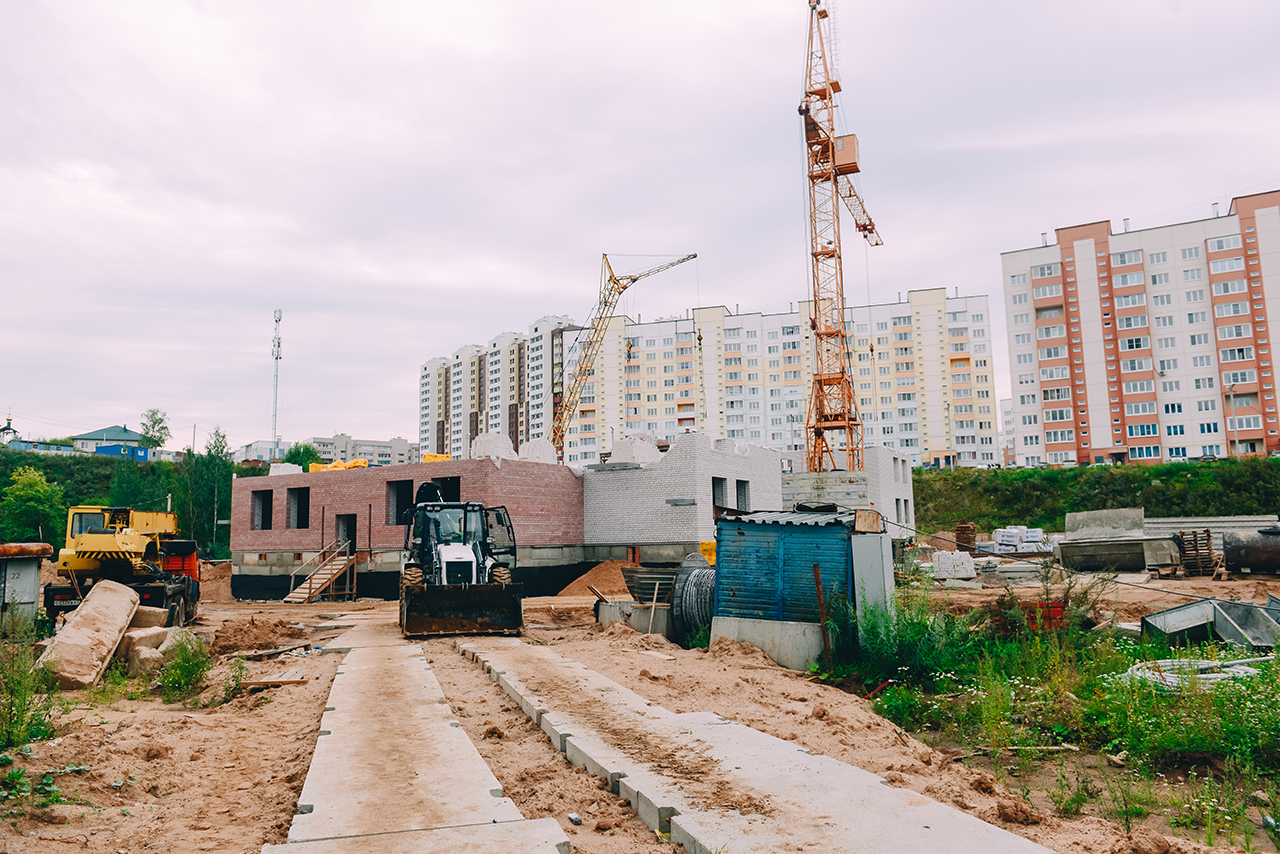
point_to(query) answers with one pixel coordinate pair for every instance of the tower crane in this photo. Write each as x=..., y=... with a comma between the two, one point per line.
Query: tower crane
x=611, y=288
x=832, y=160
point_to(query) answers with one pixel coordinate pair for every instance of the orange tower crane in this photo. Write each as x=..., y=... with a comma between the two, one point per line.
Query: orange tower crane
x=831, y=160
x=611, y=288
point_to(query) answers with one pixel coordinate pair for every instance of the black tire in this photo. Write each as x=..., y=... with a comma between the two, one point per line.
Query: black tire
x=175, y=615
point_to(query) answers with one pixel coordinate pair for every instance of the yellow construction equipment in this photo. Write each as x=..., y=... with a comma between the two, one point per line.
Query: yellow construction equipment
x=611, y=288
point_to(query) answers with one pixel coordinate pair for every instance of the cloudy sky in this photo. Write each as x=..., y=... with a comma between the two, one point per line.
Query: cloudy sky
x=402, y=178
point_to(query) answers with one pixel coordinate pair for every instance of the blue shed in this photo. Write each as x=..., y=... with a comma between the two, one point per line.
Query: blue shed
x=764, y=565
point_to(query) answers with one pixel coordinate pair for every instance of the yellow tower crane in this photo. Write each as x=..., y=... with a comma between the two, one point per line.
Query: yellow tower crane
x=831, y=160
x=611, y=289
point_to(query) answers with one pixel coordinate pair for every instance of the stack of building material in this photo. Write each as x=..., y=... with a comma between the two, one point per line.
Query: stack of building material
x=953, y=565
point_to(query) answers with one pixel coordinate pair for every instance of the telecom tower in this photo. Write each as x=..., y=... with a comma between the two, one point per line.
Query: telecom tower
x=275, y=389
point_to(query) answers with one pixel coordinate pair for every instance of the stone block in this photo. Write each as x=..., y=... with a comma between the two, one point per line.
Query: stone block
x=170, y=645
x=144, y=661
x=79, y=654
x=136, y=638
x=146, y=617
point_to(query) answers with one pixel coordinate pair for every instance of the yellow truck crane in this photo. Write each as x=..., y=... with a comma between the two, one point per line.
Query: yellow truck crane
x=133, y=547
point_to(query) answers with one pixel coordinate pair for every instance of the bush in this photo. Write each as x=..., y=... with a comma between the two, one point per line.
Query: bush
x=916, y=643
x=186, y=670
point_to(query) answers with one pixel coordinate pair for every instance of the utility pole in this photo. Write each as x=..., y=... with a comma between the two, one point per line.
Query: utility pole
x=275, y=389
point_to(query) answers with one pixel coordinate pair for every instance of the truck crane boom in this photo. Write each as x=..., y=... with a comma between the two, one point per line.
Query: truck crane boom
x=611, y=289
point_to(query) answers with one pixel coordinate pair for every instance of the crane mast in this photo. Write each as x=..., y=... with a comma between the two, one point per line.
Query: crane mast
x=611, y=289
x=831, y=160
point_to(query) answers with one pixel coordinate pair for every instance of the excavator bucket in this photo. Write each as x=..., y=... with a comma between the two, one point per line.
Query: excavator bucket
x=461, y=609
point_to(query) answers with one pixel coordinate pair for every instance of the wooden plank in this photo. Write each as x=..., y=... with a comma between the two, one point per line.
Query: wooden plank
x=290, y=677
x=267, y=653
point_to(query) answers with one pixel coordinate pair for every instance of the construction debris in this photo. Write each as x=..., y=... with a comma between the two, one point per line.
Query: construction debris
x=146, y=617
x=80, y=652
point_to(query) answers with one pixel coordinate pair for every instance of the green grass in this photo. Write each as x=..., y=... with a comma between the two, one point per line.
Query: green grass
x=185, y=672
x=27, y=693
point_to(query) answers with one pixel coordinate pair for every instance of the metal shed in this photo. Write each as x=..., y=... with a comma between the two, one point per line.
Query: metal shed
x=764, y=565
x=20, y=575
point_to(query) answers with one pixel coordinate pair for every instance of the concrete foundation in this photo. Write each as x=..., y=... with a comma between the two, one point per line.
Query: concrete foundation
x=636, y=616
x=814, y=802
x=793, y=645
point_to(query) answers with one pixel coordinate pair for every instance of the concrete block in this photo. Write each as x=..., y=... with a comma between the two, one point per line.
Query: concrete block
x=136, y=638
x=147, y=617
x=144, y=661
x=80, y=652
x=793, y=645
x=537, y=836
x=636, y=615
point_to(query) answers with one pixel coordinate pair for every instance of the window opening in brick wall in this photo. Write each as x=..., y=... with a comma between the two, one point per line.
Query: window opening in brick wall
x=450, y=488
x=719, y=486
x=261, y=509
x=744, y=494
x=399, y=499
x=299, y=503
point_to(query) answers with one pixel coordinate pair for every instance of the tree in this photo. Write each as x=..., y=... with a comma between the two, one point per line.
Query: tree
x=126, y=485
x=32, y=509
x=303, y=455
x=202, y=495
x=155, y=429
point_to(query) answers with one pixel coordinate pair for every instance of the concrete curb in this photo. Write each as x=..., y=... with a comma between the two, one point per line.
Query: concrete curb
x=793, y=800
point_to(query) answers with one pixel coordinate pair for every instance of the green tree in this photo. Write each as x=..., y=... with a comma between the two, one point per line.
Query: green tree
x=303, y=455
x=155, y=429
x=126, y=485
x=202, y=496
x=32, y=509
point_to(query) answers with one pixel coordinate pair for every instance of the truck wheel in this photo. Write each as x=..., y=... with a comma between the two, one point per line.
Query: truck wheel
x=192, y=609
x=502, y=574
x=175, y=614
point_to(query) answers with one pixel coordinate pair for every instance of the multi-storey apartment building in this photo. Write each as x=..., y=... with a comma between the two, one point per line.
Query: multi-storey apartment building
x=1147, y=345
x=379, y=452
x=921, y=370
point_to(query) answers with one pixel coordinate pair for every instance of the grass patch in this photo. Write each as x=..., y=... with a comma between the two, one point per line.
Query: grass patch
x=186, y=670
x=27, y=693
x=699, y=637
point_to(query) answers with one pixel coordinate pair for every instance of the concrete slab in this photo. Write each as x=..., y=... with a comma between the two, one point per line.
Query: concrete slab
x=714, y=784
x=539, y=836
x=394, y=771
x=793, y=645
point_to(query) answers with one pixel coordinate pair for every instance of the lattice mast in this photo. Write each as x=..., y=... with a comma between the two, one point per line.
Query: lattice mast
x=831, y=160
x=611, y=289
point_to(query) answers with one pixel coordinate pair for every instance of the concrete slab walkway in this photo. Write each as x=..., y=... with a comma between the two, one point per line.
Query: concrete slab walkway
x=393, y=772
x=717, y=785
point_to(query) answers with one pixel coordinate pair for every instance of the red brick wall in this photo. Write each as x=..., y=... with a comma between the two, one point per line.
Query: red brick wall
x=545, y=502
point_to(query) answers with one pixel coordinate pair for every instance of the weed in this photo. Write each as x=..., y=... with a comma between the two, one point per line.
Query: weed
x=27, y=692
x=1126, y=801
x=14, y=784
x=231, y=685
x=699, y=637
x=1069, y=798
x=186, y=669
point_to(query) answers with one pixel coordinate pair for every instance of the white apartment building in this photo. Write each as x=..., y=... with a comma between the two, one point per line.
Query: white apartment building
x=921, y=370
x=263, y=450
x=379, y=452
x=1146, y=346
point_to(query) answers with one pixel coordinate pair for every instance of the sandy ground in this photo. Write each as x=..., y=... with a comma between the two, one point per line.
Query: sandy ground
x=226, y=779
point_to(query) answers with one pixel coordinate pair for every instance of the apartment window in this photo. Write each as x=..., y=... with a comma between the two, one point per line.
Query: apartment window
x=1245, y=422
x=1168, y=365
x=1062, y=393
x=1139, y=386
x=1166, y=343
x=1020, y=299
x=1199, y=338
x=1222, y=244
x=1021, y=319
x=1046, y=291
x=1240, y=330
x=1121, y=259
x=1043, y=271
x=260, y=505
x=1143, y=430
x=1051, y=332
x=1197, y=317
x=1130, y=300
x=399, y=499
x=1207, y=382
x=1209, y=427
x=1234, y=378
x=1190, y=253
x=1231, y=309
x=1132, y=321
x=1201, y=361
x=1164, y=321
x=1157, y=257
x=1054, y=373
x=1162, y=299
x=1128, y=366
x=1192, y=275
x=1019, y=279
x=1226, y=265
x=1235, y=354
x=1159, y=278
x=1171, y=385
x=1141, y=343
x=1127, y=279
x=1175, y=430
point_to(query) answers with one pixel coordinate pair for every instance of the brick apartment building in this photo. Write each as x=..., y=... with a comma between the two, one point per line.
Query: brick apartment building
x=1146, y=346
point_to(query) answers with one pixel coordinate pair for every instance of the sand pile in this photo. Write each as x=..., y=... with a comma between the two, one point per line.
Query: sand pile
x=605, y=577
x=215, y=583
x=250, y=634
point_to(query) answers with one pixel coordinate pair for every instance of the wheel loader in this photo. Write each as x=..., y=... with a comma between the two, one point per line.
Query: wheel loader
x=455, y=569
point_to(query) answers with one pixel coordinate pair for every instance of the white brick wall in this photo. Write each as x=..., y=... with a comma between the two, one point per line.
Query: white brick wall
x=629, y=506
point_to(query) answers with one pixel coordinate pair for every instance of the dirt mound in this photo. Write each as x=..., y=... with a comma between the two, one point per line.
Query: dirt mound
x=605, y=577
x=237, y=635
x=739, y=651
x=215, y=583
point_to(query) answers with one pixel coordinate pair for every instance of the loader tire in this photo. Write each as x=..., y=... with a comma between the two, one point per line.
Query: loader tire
x=502, y=574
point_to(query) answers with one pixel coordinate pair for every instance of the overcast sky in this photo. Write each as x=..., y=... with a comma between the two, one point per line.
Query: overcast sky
x=403, y=178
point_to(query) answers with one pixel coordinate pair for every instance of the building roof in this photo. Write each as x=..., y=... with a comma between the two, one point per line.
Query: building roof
x=114, y=433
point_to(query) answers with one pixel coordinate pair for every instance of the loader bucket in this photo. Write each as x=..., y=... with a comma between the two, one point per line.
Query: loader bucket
x=462, y=609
